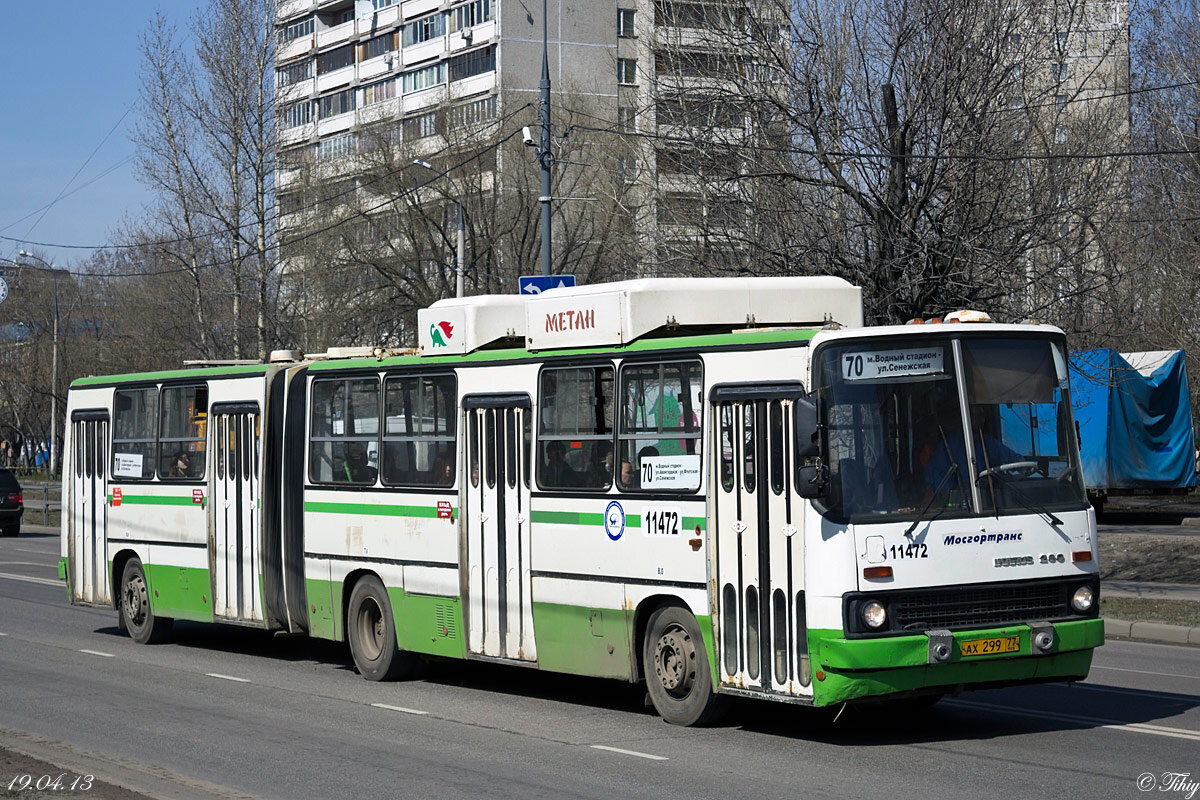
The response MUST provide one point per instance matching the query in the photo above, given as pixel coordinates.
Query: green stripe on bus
(566, 517)
(154, 500)
(692, 523)
(373, 509)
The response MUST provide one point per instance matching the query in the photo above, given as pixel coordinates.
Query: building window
(660, 424)
(575, 428)
(181, 432)
(418, 432)
(295, 30)
(377, 46)
(425, 77)
(626, 119)
(135, 422)
(473, 63)
(473, 13)
(297, 114)
(475, 112)
(1060, 100)
(625, 20)
(380, 5)
(337, 147)
(627, 71)
(335, 59)
(346, 16)
(344, 431)
(422, 125)
(1058, 72)
(378, 92)
(293, 73)
(1060, 134)
(626, 169)
(424, 29)
(340, 103)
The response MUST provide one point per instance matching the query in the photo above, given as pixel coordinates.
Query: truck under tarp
(1135, 421)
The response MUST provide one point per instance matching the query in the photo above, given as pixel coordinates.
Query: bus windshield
(897, 437)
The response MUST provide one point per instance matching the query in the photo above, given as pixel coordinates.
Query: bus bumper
(852, 669)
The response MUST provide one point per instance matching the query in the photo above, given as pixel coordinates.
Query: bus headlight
(1083, 598)
(874, 615)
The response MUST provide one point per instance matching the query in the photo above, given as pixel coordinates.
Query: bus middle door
(495, 560)
(234, 513)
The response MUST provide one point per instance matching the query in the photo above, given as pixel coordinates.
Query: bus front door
(233, 544)
(495, 557)
(758, 548)
(88, 544)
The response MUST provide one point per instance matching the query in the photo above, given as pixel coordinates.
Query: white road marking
(227, 677)
(28, 564)
(629, 752)
(398, 708)
(28, 579)
(1148, 672)
(1098, 722)
(3, 634)
(34, 552)
(98, 653)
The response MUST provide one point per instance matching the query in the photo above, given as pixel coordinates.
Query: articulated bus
(722, 487)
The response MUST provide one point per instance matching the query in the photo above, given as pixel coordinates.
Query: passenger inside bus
(355, 467)
(628, 475)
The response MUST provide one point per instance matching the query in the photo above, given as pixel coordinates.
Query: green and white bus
(721, 487)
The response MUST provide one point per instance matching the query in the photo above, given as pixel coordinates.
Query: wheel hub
(135, 601)
(674, 659)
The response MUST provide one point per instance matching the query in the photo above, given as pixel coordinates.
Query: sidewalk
(1151, 591)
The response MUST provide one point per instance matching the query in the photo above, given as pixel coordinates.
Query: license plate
(987, 647)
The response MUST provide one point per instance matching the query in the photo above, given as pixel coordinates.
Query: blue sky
(68, 72)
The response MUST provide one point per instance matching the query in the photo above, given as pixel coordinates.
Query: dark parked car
(12, 504)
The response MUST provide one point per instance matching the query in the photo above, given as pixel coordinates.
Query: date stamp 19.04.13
(62, 782)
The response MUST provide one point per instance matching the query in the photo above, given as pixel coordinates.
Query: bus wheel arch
(370, 626)
(675, 664)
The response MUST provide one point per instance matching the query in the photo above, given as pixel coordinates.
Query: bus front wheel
(373, 636)
(678, 677)
(143, 626)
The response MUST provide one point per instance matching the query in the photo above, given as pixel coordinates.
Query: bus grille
(963, 607)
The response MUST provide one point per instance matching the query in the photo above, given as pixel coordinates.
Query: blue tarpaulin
(1135, 419)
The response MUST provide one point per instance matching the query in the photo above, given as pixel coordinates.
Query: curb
(1151, 632)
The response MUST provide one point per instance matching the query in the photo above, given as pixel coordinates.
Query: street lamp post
(460, 250)
(53, 368)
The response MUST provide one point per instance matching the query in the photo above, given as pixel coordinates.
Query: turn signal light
(1081, 555)
(877, 572)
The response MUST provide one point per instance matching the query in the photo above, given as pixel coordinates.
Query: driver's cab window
(894, 439)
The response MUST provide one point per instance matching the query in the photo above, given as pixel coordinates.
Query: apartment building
(425, 69)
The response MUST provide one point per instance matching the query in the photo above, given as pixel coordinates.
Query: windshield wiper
(1020, 496)
(920, 514)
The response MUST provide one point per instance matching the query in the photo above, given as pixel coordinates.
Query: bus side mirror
(812, 480)
(808, 440)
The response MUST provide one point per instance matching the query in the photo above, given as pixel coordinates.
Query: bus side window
(726, 444)
(575, 428)
(660, 424)
(135, 425)
(420, 419)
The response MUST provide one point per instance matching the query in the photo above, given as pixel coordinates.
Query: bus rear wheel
(143, 626)
(678, 677)
(373, 636)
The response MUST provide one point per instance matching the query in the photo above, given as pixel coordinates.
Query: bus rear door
(88, 544)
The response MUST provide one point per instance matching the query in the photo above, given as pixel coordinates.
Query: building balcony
(295, 48)
(424, 99)
(475, 84)
(381, 19)
(287, 9)
(338, 34)
(415, 8)
(424, 51)
(376, 112)
(335, 79)
(296, 135)
(295, 92)
(377, 66)
(335, 124)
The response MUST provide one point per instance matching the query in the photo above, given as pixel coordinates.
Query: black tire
(678, 677)
(139, 619)
(372, 634)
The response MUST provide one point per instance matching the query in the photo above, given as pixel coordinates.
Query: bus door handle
(739, 527)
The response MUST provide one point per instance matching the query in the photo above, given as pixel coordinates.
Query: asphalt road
(288, 717)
